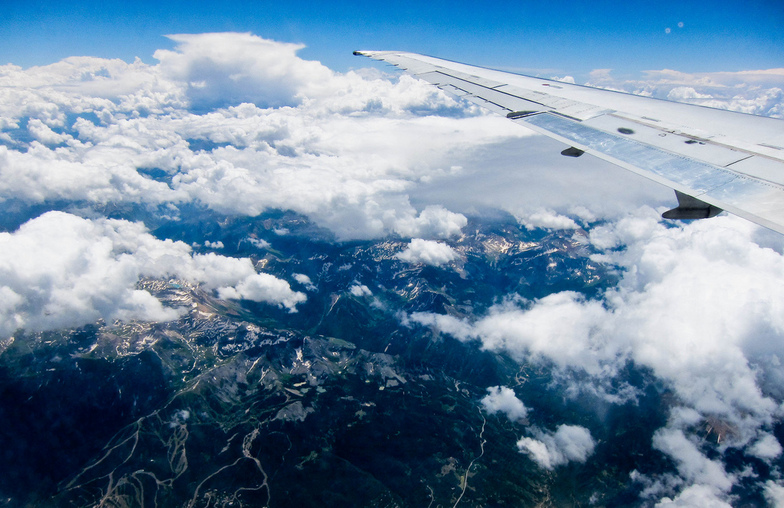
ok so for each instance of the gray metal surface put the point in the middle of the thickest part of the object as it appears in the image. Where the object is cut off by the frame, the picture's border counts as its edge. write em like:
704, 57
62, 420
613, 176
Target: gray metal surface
730, 160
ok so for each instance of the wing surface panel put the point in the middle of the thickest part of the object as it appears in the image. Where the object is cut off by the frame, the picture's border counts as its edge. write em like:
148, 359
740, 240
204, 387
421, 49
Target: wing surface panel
727, 159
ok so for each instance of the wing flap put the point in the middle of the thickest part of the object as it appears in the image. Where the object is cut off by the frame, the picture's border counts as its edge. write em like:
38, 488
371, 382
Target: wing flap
754, 199
688, 176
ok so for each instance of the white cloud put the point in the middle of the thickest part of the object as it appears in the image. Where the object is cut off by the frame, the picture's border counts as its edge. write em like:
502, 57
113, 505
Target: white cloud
427, 252
700, 305
263, 287
682, 93
692, 464
767, 447
305, 281
670, 312
711, 351
345, 152
658, 487
59, 270
560, 327
694, 496
774, 493
548, 219
45, 134
434, 222
757, 92
102, 176
360, 290
259, 243
242, 125
550, 450
459, 328
502, 399
348, 153
223, 69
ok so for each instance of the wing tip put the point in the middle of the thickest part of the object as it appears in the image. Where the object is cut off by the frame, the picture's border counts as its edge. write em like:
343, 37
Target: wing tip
374, 54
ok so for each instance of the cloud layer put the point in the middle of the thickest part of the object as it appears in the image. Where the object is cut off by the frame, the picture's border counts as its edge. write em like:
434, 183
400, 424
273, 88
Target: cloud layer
241, 125
60, 270
758, 92
699, 305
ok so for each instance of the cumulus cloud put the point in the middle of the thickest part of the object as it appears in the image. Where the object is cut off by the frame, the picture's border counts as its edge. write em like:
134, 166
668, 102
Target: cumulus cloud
500, 399
259, 243
59, 270
209, 121
346, 150
767, 447
759, 92
548, 219
458, 328
683, 93
558, 327
693, 496
719, 355
360, 290
552, 449
263, 287
427, 252
62, 271
241, 125
223, 69
692, 464
434, 222
565, 79
305, 281
774, 493
700, 305
45, 134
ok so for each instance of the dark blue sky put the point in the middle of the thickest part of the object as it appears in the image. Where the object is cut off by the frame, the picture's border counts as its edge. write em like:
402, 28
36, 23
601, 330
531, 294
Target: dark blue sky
570, 37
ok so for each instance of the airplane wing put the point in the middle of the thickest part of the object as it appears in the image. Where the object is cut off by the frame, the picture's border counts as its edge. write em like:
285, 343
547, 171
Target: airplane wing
714, 159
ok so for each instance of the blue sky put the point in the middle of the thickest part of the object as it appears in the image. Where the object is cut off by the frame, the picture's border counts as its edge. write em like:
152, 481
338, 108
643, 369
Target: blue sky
567, 37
